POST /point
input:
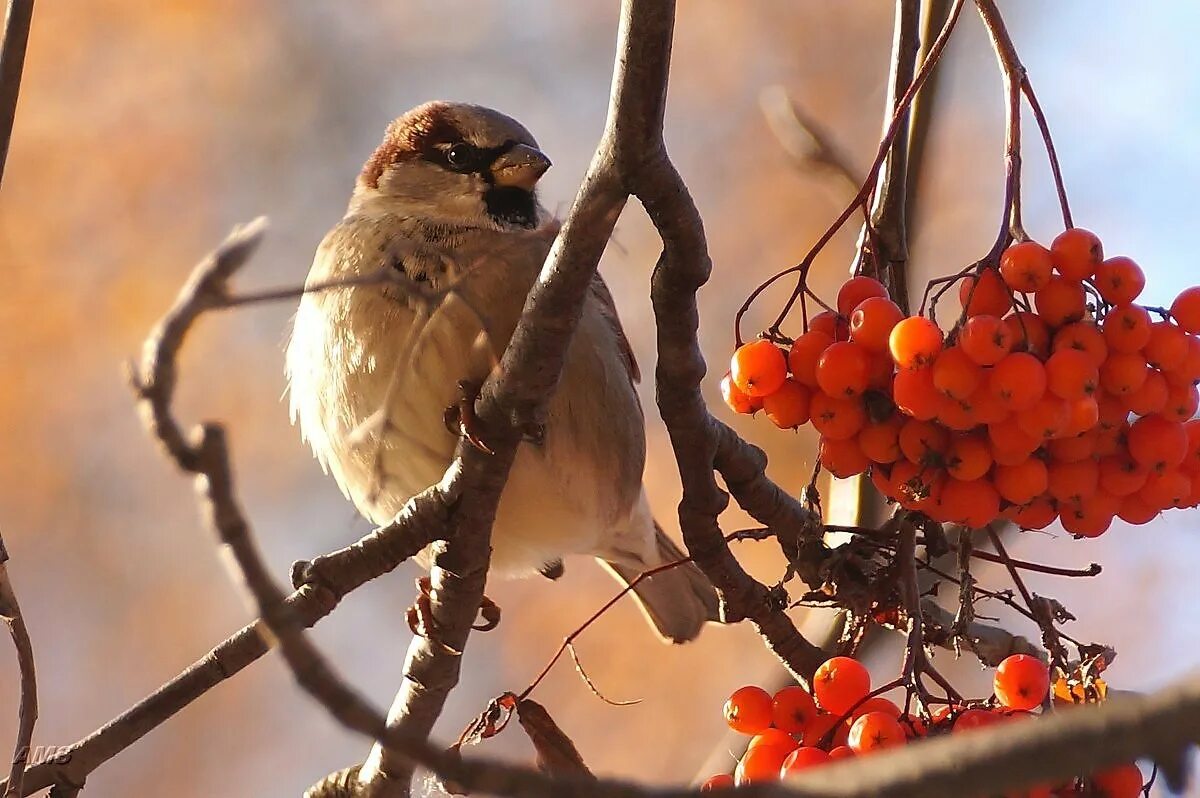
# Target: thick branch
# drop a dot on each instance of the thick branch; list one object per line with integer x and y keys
{"x": 17, "y": 20}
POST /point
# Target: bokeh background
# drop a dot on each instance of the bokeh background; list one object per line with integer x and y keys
{"x": 146, "y": 130}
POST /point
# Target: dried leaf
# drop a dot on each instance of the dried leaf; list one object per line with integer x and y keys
{"x": 556, "y": 754}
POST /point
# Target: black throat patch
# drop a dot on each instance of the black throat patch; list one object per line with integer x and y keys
{"x": 511, "y": 205}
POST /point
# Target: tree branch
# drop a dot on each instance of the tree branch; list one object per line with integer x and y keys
{"x": 17, "y": 19}
{"x": 27, "y": 711}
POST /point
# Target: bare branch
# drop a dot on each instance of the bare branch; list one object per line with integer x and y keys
{"x": 17, "y": 19}
{"x": 27, "y": 711}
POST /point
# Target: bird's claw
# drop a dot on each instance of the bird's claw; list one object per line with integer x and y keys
{"x": 461, "y": 420}
{"x": 422, "y": 623}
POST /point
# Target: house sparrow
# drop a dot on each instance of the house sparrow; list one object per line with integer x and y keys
{"x": 448, "y": 199}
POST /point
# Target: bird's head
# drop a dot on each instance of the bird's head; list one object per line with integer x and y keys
{"x": 457, "y": 164}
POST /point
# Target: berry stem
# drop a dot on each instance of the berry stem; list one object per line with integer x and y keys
{"x": 860, "y": 199}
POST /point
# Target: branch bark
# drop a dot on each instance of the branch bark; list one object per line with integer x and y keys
{"x": 17, "y": 20}
{"x": 27, "y": 710}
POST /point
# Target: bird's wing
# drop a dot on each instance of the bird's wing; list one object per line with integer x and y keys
{"x": 608, "y": 311}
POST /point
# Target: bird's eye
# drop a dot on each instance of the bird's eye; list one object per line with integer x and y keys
{"x": 460, "y": 155}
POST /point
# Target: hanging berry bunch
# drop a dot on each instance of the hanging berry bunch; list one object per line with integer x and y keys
{"x": 1055, "y": 396}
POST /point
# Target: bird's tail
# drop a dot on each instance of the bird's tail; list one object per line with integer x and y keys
{"x": 678, "y": 601}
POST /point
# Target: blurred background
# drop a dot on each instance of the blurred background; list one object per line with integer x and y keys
{"x": 145, "y": 131}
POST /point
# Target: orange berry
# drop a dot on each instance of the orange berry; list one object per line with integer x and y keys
{"x": 721, "y": 781}
{"x": 802, "y": 759}
{"x": 1072, "y": 448}
{"x": 1119, "y": 280}
{"x": 875, "y": 704}
{"x": 1150, "y": 397}
{"x": 976, "y": 719}
{"x": 789, "y": 406}
{"x": 1085, "y": 337}
{"x": 1022, "y": 482}
{"x": 969, "y": 457}
{"x": 1071, "y": 374}
{"x": 1166, "y": 489}
{"x": 758, "y": 368}
{"x": 1187, "y": 371}
{"x": 842, "y": 458}
{"x": 843, "y": 369}
{"x": 832, "y": 324}
{"x": 924, "y": 442}
{"x": 1127, "y": 329}
{"x": 840, "y": 683}
{"x": 841, "y": 752}
{"x": 1134, "y": 509}
{"x": 1077, "y": 253}
{"x": 1110, "y": 441}
{"x": 1185, "y": 310}
{"x": 1182, "y": 403}
{"x": 974, "y": 504}
{"x": 915, "y": 394}
{"x": 956, "y": 374}
{"x": 986, "y": 407}
{"x": 1090, "y": 518}
{"x": 1124, "y": 781}
{"x": 823, "y": 726}
{"x": 1021, "y": 682}
{"x": 880, "y": 442}
{"x": 1123, "y": 373}
{"x": 985, "y": 339}
{"x": 838, "y": 417}
{"x": 1121, "y": 475}
{"x": 792, "y": 709}
{"x": 1191, "y": 431}
{"x": 857, "y": 289}
{"x": 1011, "y": 444}
{"x": 1019, "y": 379}
{"x": 872, "y": 321}
{"x": 916, "y": 487}
{"x": 772, "y": 738}
{"x": 1026, "y": 266}
{"x": 1082, "y": 415}
{"x": 1061, "y": 301}
{"x": 875, "y": 731}
{"x": 987, "y": 294}
{"x": 1044, "y": 419}
{"x": 1157, "y": 443}
{"x": 805, "y": 353}
{"x": 1112, "y": 410}
{"x": 748, "y": 710}
{"x": 915, "y": 342}
{"x": 1037, "y": 514}
{"x": 737, "y": 401}
{"x": 759, "y": 765}
{"x": 1072, "y": 481}
{"x": 1029, "y": 333}
{"x": 955, "y": 415}
{"x": 1167, "y": 345}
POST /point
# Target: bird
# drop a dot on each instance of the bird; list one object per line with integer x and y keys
{"x": 447, "y": 205}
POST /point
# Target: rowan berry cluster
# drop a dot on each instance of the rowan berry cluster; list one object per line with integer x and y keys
{"x": 842, "y": 717}
{"x": 1054, "y": 396}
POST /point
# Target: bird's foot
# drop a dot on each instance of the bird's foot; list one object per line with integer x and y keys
{"x": 422, "y": 623}
{"x": 461, "y": 420}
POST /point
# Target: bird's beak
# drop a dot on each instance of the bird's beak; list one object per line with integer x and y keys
{"x": 520, "y": 167}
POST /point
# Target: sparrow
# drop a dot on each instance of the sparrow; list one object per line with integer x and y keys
{"x": 448, "y": 200}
